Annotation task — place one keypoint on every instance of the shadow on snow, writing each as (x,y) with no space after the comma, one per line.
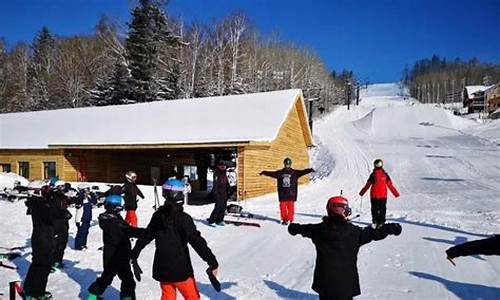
(463,290)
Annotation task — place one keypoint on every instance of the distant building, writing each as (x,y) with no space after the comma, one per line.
(474,98)
(251,132)
(493,98)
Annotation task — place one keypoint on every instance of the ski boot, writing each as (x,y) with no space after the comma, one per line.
(221,223)
(284,223)
(94,297)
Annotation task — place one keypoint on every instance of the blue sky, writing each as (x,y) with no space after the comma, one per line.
(374,38)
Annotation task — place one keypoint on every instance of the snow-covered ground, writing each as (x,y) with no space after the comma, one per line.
(447,169)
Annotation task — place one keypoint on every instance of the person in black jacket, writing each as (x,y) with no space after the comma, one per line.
(488,246)
(42,213)
(116,251)
(220,192)
(131,191)
(337,244)
(287,188)
(63,195)
(173,230)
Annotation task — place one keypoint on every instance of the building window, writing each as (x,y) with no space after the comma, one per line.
(24,169)
(49,169)
(5,168)
(192,172)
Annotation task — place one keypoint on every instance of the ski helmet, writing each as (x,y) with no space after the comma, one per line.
(53,180)
(338,205)
(131,176)
(60,184)
(173,191)
(378,163)
(287,162)
(113,202)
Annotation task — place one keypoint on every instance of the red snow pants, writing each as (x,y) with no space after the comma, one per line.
(131,218)
(287,209)
(187,288)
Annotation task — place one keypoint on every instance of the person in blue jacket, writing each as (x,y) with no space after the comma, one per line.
(83,215)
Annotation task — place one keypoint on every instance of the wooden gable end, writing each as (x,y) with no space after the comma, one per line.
(292,141)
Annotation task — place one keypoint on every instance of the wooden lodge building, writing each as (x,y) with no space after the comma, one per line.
(252,132)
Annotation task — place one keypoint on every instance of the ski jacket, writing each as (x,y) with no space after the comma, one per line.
(379,181)
(173,229)
(489,246)
(116,234)
(131,191)
(83,205)
(287,182)
(337,244)
(42,216)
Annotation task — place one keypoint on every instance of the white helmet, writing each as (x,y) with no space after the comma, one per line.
(59,183)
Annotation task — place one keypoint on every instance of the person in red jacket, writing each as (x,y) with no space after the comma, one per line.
(379,181)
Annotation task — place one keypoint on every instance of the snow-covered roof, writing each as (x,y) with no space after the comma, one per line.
(471,89)
(238,118)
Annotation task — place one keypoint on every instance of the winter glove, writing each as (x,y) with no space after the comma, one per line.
(78,224)
(293,229)
(136,269)
(213,279)
(393,228)
(452,252)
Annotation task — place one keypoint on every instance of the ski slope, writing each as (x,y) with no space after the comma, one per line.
(447,169)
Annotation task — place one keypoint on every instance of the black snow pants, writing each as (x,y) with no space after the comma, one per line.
(61,227)
(115,263)
(378,210)
(35,282)
(219,211)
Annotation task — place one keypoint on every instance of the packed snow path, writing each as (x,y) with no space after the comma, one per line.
(447,169)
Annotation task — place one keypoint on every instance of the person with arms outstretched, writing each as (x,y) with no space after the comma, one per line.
(337,243)
(287,183)
(173,229)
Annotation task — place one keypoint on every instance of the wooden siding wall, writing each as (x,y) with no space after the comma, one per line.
(289,143)
(35,157)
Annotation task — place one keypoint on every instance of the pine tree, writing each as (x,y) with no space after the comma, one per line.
(41,68)
(114,89)
(152,51)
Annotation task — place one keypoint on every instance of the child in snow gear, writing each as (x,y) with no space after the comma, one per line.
(379,181)
(43,213)
(287,188)
(60,194)
(220,192)
(116,234)
(173,230)
(83,215)
(337,243)
(488,246)
(131,191)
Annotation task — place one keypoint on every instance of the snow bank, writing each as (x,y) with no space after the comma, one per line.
(7,180)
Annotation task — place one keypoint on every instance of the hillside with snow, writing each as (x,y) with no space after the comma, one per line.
(446,168)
